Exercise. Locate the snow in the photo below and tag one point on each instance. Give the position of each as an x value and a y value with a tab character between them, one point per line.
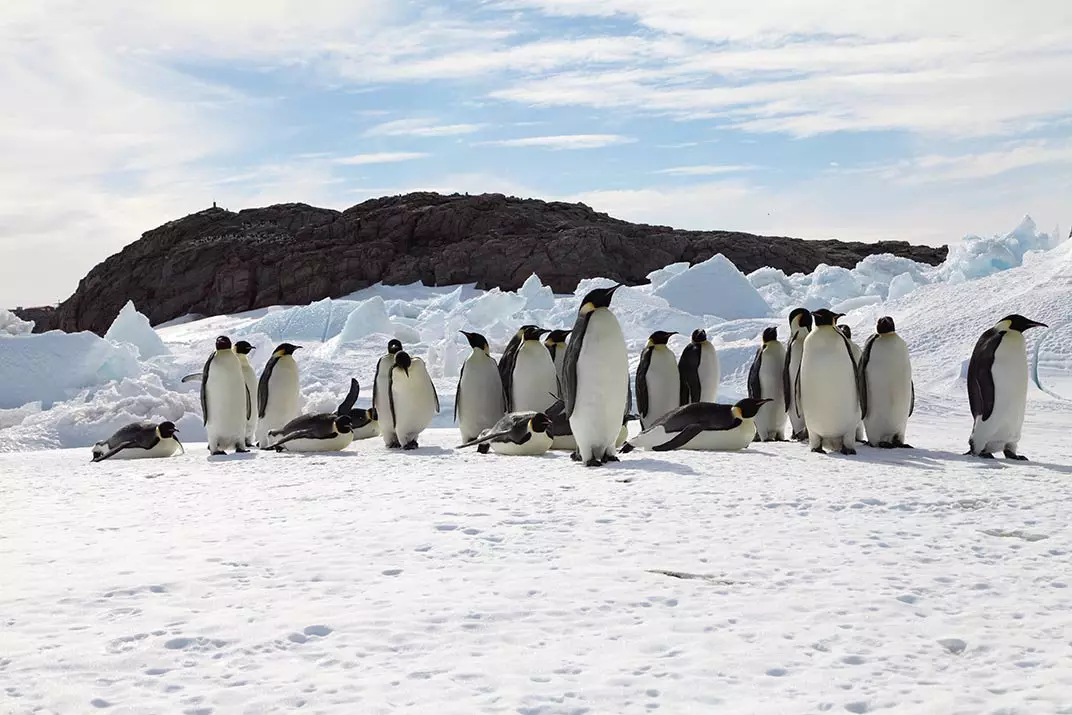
11	324
447	581
133	328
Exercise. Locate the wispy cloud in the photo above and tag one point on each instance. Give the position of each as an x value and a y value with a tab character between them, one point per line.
564	141
385	157
704	170
418	127
930	168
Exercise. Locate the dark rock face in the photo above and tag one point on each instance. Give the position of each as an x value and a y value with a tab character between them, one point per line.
217	261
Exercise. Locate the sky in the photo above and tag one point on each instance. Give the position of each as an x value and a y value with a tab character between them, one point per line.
920	120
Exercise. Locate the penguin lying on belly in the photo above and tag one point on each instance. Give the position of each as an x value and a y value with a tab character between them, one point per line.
702	426
517	433
326	432
365	422
139	440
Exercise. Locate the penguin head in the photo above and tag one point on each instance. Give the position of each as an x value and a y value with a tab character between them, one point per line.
661	337
344	424
800	318
556	337
826	317
285	349
748	407
598	298
533	332
770	335
1018	323
394	346
699	336
540	423
403	361
476	340
243	348
885	326
373	415
166	430
223	343
846	331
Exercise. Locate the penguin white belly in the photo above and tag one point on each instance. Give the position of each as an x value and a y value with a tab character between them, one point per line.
332	444
709	373
889	389
481	396
250	378
770	421
368	431
664	386
709	440
602	385
535	382
828	387
225	395
1010	397
382	401
283	393
163	448
414	403
796	410
537	444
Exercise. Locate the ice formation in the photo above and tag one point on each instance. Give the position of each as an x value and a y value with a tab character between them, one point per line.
133	328
11	324
714	287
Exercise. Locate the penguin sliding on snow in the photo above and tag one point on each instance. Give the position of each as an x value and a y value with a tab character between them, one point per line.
595	383
327	432
381	393
765	382
225	401
827	387
555	342
413	398
516	434
139	440
480	401
702	426
997	387
277	392
699	370
800	322
364	423
857	353
658	382
528	374
887	395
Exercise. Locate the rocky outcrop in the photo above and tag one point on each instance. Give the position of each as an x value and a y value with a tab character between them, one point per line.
217	261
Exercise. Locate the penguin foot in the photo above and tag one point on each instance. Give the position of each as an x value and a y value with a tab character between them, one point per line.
985	455
818	450
575	456
757	438
395	445
216	452
1009	454
626	448
902	445
250	443
593	463
848	451
610	458
412	444
483	448
241	450
885	445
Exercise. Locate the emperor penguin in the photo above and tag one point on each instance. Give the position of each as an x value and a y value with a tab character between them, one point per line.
997	387
530	383
277	392
243	349
516	434
328	432
702	426
699	370
556	345
413	398
139	440
364	423
857	353
509	355
658	383
480	401
800	323
225	402
596	379
887	395
827	386
381	394
765	382
562	434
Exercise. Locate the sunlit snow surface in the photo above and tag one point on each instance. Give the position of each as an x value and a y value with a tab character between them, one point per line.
767	581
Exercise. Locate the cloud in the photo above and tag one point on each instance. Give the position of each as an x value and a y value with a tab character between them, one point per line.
704	170
931	168
385	157
564	141
418	127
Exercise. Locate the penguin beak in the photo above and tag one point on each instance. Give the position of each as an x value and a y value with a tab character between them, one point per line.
615	288
1035	324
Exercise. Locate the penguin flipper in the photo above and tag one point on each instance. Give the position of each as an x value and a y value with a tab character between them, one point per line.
376	383
754	389
204	389
300	434
787	391
351	398
458	393
115	450
642	381
434	393
980	377
912	405
262	386
689	370
569	363
249	404
192	377
490	437
391	393
861	376
679	440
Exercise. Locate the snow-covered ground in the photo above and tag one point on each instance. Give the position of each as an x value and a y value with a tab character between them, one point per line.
767	581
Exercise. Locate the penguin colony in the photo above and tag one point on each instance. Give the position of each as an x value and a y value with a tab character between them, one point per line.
572	391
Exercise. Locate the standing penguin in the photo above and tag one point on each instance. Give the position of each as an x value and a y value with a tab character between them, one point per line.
800	322
827	386
531	382
139	440
243	349
887	395
997	387
658	383
413	400
556	345
479	401
225	402
277	392
381	393
596	379
699	370
857	353
509	356
765	382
